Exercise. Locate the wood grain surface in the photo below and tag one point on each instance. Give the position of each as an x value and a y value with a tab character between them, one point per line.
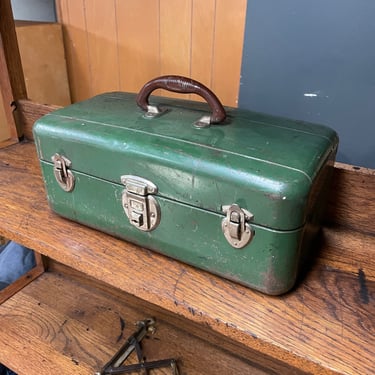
352	200
326	324
117	44
11	74
72	326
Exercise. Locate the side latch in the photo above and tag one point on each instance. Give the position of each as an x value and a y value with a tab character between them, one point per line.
236	227
139	205
64	176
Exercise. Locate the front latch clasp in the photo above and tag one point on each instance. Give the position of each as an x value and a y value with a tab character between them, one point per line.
64	176
236	227
139	205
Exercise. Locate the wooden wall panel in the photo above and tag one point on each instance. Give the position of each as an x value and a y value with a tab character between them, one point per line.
101	27
175	38
202	40
121	44
229	25
71	14
138	42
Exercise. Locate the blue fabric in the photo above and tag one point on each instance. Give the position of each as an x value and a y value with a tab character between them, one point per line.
6	371
15	260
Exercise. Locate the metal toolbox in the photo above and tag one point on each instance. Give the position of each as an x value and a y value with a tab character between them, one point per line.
233	192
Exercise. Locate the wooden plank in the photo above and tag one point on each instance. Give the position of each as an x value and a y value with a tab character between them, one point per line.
83	327
4	127
229	31
12	56
352	202
102	45
175	40
138	42
11	74
29	112
55	341
355	253
72	16
185	37
43	60
202	42
255	359
325	324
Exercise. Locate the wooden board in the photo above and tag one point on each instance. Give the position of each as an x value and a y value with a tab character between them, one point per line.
4	127
11	75
325	324
141	40
43	62
74	327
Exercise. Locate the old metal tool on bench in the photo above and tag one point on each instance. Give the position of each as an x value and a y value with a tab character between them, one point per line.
116	365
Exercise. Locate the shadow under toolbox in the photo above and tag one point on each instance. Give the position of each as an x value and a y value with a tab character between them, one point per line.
238	198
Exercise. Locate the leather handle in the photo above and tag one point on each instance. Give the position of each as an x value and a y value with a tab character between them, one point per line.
182	85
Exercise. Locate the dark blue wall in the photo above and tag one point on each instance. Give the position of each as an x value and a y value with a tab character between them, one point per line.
314	61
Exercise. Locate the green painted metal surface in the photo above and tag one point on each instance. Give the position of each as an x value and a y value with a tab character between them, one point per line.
268	166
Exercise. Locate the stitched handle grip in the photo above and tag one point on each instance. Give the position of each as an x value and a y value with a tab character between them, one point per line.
182	85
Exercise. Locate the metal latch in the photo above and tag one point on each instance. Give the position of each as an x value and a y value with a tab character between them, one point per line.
236	227
64	176
140	206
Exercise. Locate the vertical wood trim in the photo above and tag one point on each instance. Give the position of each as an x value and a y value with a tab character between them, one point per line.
6	94
11	51
175	39
229	31
202	41
72	16
11	74
4	128
101	34
138	42
61	10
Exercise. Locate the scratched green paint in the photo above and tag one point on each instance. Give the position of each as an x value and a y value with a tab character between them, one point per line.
267	165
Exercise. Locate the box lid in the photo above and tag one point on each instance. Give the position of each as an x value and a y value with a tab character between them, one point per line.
266	165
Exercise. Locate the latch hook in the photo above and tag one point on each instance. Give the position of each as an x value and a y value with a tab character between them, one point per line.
236	227
64	176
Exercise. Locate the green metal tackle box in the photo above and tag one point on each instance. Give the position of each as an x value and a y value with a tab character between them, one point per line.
233	192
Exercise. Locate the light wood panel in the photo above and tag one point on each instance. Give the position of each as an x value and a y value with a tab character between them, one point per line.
72	16
122	44
4	127
138	42
202	40
101	28
43	62
175	38
229	24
